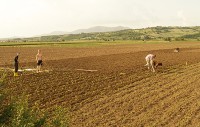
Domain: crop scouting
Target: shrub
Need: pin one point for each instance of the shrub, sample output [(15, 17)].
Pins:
[(168, 39)]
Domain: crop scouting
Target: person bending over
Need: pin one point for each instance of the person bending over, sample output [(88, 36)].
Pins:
[(150, 58)]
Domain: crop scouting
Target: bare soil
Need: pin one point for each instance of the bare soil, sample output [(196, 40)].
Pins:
[(121, 91)]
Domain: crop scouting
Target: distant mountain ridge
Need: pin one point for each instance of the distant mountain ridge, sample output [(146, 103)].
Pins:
[(99, 29), (89, 30), (58, 33)]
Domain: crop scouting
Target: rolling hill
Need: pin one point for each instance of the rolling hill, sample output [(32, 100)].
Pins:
[(122, 33), (88, 30)]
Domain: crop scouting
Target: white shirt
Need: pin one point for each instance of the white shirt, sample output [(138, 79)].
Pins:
[(149, 57)]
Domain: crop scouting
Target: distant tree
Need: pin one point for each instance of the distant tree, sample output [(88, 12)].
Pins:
[(179, 39), (168, 39)]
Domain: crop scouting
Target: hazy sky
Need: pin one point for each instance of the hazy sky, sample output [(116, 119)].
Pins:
[(35, 17)]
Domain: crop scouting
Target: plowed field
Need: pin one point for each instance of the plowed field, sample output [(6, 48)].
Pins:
[(109, 86)]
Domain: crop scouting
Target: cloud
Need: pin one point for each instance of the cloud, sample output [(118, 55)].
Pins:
[(33, 17), (182, 18)]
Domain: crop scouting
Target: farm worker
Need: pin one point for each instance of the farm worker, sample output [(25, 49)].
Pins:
[(39, 60), (16, 64), (176, 50), (150, 61)]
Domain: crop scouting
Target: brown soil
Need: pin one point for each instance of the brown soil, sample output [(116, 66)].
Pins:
[(122, 92)]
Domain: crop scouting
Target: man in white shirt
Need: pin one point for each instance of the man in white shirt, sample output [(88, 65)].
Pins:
[(150, 61)]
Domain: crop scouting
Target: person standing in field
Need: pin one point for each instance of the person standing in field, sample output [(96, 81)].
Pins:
[(16, 64), (39, 60), (150, 58)]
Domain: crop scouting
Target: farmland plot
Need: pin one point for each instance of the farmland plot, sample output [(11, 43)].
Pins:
[(120, 92)]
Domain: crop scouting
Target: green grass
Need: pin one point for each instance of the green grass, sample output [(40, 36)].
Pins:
[(82, 44), (76, 44), (59, 44)]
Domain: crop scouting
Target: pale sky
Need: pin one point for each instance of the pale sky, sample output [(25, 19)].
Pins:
[(34, 17)]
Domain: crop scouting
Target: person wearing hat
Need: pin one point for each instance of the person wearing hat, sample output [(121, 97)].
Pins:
[(16, 65)]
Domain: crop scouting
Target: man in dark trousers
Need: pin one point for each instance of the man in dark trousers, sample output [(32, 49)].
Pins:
[(16, 64), (39, 60)]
